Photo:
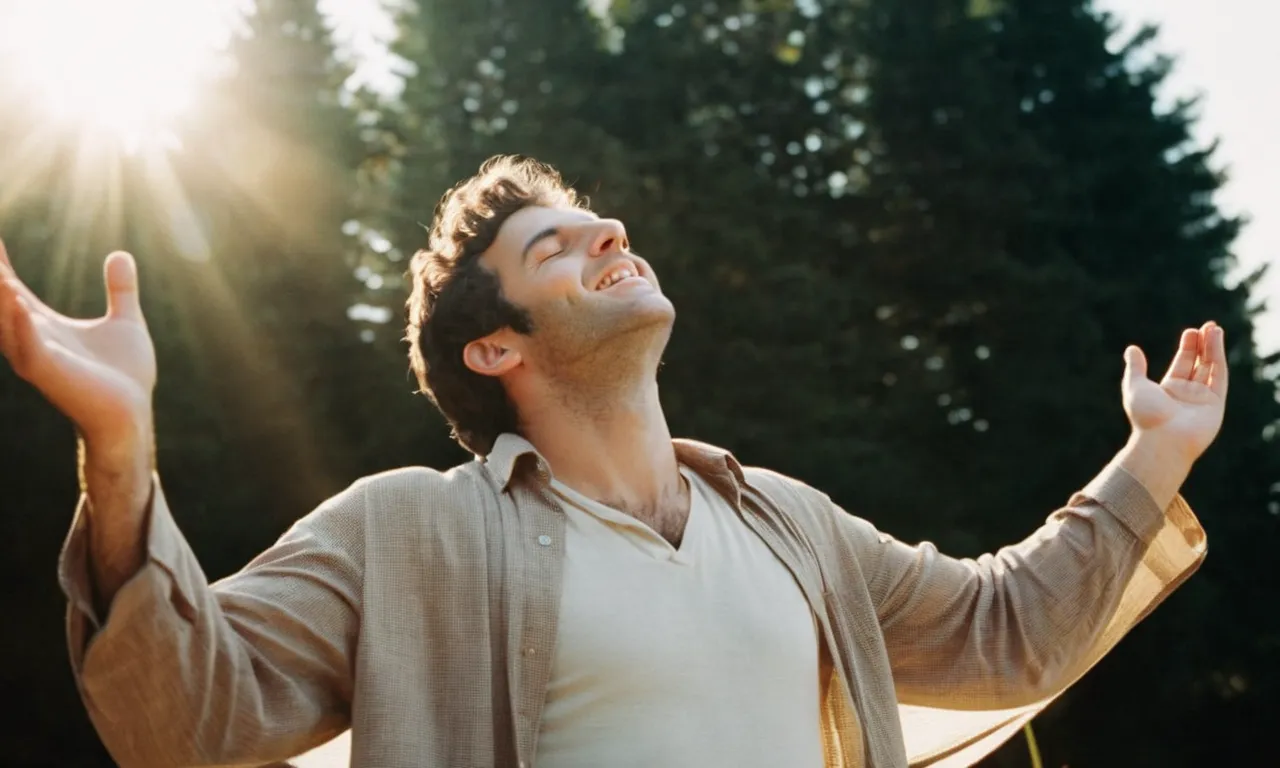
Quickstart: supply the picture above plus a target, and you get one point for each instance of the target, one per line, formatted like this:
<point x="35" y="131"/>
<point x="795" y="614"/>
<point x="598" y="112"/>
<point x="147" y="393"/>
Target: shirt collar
<point x="716" y="465"/>
<point x="505" y="457"/>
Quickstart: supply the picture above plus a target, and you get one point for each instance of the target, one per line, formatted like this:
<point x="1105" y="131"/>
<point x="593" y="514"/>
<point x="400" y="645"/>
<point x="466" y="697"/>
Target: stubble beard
<point x="597" y="362"/>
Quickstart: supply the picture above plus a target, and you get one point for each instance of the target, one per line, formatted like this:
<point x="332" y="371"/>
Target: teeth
<point x="615" y="277"/>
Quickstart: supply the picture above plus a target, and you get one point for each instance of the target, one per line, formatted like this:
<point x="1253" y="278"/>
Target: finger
<point x="1135" y="364"/>
<point x="6" y="266"/>
<point x="1203" y="362"/>
<point x="9" y="309"/>
<point x="1218" y="379"/>
<point x="1184" y="361"/>
<point x="8" y="306"/>
<point x="18" y="340"/>
<point x="121" y="275"/>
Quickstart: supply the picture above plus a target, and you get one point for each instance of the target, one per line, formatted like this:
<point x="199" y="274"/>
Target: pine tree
<point x="1043" y="215"/>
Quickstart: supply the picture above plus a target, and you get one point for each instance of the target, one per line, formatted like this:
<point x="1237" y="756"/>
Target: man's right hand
<point x="99" y="373"/>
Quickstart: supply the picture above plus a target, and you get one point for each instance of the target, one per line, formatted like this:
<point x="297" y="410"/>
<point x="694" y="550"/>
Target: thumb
<point x="121" y="274"/>
<point x="1135" y="364"/>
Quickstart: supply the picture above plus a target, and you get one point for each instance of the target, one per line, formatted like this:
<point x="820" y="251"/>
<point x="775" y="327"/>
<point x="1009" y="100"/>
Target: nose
<point x="608" y="236"/>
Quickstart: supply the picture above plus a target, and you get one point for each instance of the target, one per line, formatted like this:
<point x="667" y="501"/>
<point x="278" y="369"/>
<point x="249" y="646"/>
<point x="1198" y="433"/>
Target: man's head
<point x="521" y="285"/>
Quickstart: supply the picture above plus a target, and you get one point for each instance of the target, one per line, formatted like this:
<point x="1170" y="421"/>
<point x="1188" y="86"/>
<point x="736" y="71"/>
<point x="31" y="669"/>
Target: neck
<point x="608" y="443"/>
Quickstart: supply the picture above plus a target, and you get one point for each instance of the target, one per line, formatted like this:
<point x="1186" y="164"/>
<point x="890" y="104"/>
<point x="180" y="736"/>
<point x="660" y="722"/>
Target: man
<point x="588" y="592"/>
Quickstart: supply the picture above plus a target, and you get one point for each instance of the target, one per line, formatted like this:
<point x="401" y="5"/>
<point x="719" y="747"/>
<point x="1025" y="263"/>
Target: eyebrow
<point x="543" y="235"/>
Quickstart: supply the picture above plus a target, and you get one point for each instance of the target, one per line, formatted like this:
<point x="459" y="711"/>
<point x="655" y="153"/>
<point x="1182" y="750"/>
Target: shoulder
<point x="404" y="493"/>
<point x="813" y="509"/>
<point x="417" y="480"/>
<point x="711" y="462"/>
<point x="795" y="498"/>
<point x="777" y="484"/>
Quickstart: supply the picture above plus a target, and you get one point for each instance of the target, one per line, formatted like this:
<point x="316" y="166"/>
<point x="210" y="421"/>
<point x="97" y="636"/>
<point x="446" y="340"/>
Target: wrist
<point x="122" y="458"/>
<point x="1158" y="464"/>
<point x="115" y="476"/>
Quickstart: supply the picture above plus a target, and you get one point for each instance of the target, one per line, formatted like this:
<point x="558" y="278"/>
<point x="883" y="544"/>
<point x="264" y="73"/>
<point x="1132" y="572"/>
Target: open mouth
<point x="621" y="272"/>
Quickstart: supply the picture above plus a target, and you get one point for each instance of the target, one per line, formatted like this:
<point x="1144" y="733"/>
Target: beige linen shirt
<point x="419" y="609"/>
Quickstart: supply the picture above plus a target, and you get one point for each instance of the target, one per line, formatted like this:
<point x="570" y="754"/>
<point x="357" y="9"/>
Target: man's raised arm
<point x="1015" y="627"/>
<point x="174" y="671"/>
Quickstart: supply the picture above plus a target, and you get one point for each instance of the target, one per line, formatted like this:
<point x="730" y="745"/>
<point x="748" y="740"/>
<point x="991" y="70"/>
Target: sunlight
<point x="124" y="68"/>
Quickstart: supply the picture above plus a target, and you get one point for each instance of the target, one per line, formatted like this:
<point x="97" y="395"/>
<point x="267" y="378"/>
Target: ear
<point x="489" y="356"/>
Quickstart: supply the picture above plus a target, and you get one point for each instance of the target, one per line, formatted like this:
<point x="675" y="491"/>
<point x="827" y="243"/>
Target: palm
<point x="1186" y="407"/>
<point x="99" y="373"/>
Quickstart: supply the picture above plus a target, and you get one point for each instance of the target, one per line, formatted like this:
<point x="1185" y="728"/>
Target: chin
<point x="654" y="305"/>
<point x="650" y="316"/>
<point x="635" y="340"/>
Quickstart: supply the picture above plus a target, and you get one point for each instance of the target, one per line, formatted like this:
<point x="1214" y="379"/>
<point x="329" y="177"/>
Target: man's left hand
<point x="1183" y="413"/>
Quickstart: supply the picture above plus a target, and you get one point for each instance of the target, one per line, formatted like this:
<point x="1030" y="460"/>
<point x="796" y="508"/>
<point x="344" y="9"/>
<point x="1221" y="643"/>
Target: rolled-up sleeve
<point x="1014" y="628"/>
<point x="254" y="668"/>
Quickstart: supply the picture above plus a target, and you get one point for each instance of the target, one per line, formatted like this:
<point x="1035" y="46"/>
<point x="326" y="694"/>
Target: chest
<point x="721" y="600"/>
<point x="701" y="653"/>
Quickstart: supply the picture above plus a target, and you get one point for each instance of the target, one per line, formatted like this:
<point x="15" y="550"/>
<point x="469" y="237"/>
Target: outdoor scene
<point x="907" y="243"/>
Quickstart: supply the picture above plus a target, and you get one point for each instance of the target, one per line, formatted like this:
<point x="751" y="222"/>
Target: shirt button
<point x="530" y="651"/>
<point x="523" y="764"/>
<point x="544" y="540"/>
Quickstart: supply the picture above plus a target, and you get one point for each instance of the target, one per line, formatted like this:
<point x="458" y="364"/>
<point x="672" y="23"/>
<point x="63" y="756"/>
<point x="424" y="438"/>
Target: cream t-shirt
<point x="706" y="655"/>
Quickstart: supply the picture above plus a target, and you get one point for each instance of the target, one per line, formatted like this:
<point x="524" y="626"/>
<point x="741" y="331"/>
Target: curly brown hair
<point x="454" y="300"/>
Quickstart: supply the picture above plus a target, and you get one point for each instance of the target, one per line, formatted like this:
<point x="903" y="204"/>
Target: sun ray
<point x="215" y="318"/>
<point x="22" y="163"/>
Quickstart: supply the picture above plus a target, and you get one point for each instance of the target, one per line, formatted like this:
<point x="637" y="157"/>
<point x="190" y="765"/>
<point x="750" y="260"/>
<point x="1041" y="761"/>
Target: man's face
<point x="590" y="298"/>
